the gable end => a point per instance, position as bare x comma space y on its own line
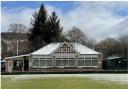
65, 48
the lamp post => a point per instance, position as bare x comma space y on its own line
17, 47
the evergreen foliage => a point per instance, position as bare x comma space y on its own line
44, 29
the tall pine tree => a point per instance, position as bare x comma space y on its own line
44, 29
54, 29
38, 26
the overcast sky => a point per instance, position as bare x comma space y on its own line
98, 20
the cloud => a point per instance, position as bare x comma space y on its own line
18, 15
94, 18
21, 15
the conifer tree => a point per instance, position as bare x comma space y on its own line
44, 29
38, 26
54, 28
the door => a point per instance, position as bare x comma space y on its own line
26, 64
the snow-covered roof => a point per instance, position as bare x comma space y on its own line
83, 49
47, 49
17, 56
53, 46
113, 57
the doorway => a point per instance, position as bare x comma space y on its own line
25, 64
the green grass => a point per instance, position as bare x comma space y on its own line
58, 83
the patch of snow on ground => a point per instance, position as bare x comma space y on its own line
118, 78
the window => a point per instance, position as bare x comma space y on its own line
80, 62
87, 58
65, 62
71, 62
49, 62
43, 63
81, 58
94, 58
58, 58
42, 58
36, 62
88, 63
58, 63
65, 49
94, 62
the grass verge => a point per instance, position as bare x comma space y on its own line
58, 83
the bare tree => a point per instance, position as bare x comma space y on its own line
17, 30
123, 44
76, 35
107, 47
116, 47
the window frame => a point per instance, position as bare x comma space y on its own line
88, 58
65, 59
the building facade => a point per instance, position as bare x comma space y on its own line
115, 63
57, 56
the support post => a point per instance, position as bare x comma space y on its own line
76, 60
54, 61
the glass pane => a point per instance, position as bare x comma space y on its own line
48, 58
95, 58
81, 58
49, 62
87, 62
42, 62
87, 58
63, 62
94, 62
58, 62
36, 62
42, 58
66, 61
58, 58
71, 62
81, 62
71, 59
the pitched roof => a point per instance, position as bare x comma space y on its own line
48, 49
83, 49
17, 56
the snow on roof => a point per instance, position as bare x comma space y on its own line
83, 49
17, 56
48, 49
113, 57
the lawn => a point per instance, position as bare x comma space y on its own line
58, 83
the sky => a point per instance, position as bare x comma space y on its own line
98, 20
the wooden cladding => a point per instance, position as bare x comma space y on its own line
65, 49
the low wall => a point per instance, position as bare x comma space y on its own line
68, 72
